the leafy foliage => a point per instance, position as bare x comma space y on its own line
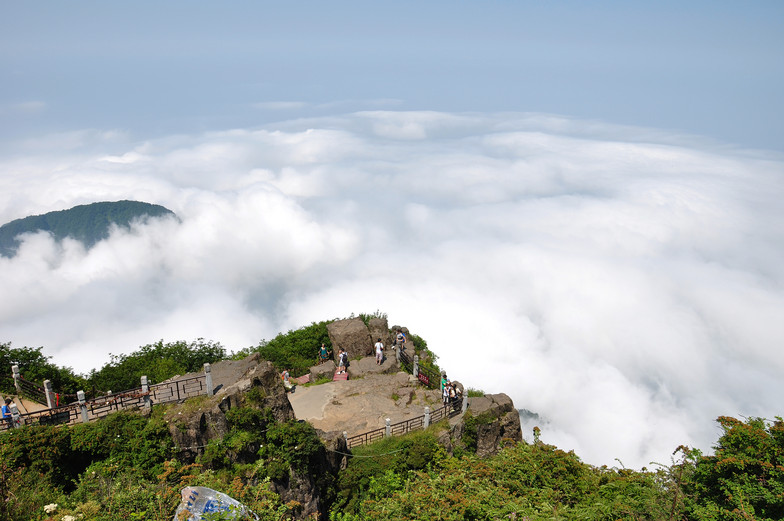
157, 361
296, 350
744, 479
36, 367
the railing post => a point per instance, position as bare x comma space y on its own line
15, 418
465, 402
49, 394
82, 406
416, 366
427, 417
208, 380
146, 391
388, 431
345, 438
17, 376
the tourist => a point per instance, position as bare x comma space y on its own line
458, 397
445, 393
453, 395
400, 339
342, 361
6, 409
324, 354
379, 352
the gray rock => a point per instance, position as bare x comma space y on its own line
352, 335
379, 328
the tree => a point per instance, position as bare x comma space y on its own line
744, 479
158, 362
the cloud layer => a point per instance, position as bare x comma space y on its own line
624, 284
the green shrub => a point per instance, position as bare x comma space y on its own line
158, 362
296, 350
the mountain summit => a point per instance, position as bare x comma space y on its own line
87, 223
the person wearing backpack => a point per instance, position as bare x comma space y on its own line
342, 361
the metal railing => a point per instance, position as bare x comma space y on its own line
427, 377
405, 426
179, 389
32, 391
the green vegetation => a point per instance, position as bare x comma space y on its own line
296, 350
126, 466
367, 316
744, 479
320, 380
157, 361
87, 223
35, 367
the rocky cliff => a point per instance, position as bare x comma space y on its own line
490, 423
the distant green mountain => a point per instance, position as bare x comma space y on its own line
88, 223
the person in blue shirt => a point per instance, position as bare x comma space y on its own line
7, 411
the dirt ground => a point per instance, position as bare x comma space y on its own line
372, 394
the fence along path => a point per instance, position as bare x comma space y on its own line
146, 396
91, 410
426, 377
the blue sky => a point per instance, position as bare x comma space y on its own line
706, 68
574, 203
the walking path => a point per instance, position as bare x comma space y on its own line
364, 401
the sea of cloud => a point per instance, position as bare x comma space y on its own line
624, 284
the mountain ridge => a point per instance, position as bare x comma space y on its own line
87, 223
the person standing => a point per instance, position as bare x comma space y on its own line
324, 354
379, 352
342, 361
400, 339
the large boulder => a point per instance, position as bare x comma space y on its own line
490, 423
352, 335
379, 328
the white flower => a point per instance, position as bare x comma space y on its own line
69, 518
51, 507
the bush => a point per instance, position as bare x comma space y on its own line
158, 362
296, 350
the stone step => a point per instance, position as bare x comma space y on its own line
338, 376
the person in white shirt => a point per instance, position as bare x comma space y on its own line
379, 352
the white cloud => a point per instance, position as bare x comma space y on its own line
280, 105
623, 286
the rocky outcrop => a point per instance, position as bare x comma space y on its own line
197, 421
490, 423
352, 335
307, 488
194, 423
379, 328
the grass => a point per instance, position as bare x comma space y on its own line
320, 380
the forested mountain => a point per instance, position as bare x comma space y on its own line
88, 223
